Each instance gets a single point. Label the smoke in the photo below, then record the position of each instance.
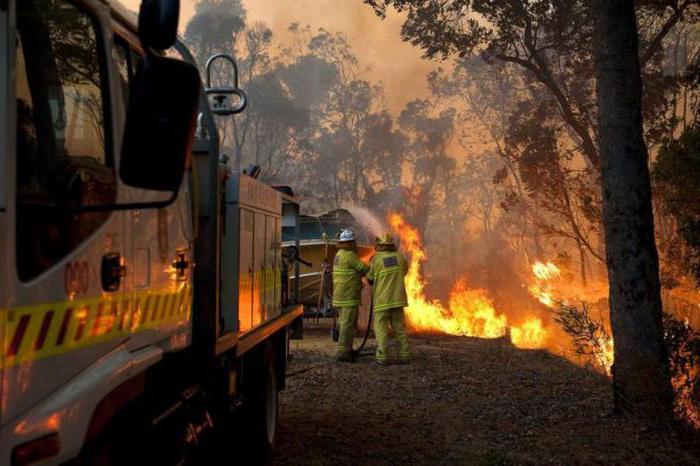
(367, 219)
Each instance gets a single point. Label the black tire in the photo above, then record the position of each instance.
(262, 409)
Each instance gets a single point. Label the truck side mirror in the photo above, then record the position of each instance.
(163, 101)
(160, 124)
(158, 21)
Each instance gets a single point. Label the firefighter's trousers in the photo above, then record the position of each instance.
(348, 326)
(382, 319)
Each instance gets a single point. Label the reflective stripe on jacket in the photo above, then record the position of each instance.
(348, 270)
(387, 271)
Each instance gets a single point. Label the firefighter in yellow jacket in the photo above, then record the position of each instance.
(386, 274)
(348, 271)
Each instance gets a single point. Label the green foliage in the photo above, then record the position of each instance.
(214, 27)
(464, 27)
(537, 101)
(676, 176)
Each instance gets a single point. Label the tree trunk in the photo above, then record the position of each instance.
(582, 256)
(640, 374)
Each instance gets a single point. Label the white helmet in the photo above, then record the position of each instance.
(346, 235)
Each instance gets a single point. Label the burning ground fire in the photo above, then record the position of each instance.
(469, 312)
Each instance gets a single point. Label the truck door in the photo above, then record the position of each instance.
(245, 270)
(4, 109)
(5, 223)
(160, 242)
(259, 269)
(272, 276)
(161, 249)
(66, 305)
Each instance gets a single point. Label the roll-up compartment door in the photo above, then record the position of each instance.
(245, 271)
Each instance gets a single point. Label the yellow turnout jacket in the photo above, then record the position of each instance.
(348, 270)
(387, 270)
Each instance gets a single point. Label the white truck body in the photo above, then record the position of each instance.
(66, 342)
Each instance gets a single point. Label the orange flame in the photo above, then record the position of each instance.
(470, 312)
(546, 274)
(531, 334)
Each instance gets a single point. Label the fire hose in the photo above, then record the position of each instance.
(356, 353)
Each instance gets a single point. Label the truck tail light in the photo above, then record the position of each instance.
(36, 450)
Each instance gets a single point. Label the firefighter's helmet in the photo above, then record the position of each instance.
(385, 240)
(346, 235)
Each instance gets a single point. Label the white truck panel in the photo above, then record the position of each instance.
(68, 411)
(28, 306)
(65, 341)
(6, 96)
(257, 208)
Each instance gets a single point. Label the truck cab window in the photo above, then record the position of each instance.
(63, 156)
(122, 57)
(127, 59)
(4, 107)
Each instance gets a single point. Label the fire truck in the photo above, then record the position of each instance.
(142, 304)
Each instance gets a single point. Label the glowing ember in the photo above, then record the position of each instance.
(469, 312)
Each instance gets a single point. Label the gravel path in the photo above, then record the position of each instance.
(461, 401)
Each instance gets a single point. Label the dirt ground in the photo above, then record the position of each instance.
(461, 401)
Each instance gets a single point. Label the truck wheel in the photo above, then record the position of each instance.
(271, 405)
(260, 421)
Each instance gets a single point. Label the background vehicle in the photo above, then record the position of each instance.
(140, 303)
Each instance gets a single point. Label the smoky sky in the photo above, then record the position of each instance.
(377, 44)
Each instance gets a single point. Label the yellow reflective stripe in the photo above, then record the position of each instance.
(44, 330)
(345, 301)
(399, 304)
(391, 270)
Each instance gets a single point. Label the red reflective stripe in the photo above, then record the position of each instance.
(82, 323)
(154, 312)
(43, 331)
(164, 308)
(18, 336)
(98, 320)
(64, 326)
(145, 309)
(167, 305)
(125, 311)
(114, 314)
(176, 304)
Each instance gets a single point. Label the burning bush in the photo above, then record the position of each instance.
(589, 337)
(683, 345)
(591, 340)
